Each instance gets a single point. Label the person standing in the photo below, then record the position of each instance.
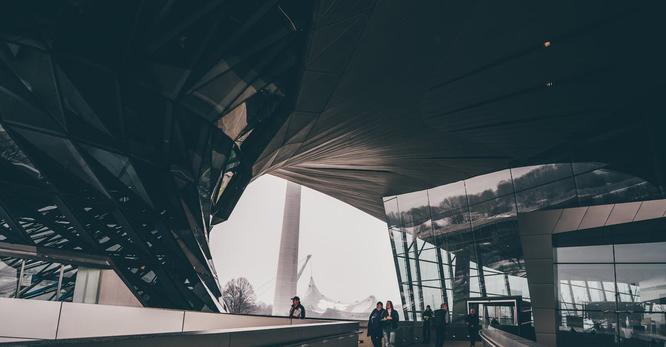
(472, 321)
(375, 325)
(297, 310)
(390, 321)
(441, 322)
(427, 315)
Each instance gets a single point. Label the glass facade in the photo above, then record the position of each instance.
(460, 241)
(36, 279)
(612, 292)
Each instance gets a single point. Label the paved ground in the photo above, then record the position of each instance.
(454, 344)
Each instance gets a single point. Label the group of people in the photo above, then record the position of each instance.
(383, 324)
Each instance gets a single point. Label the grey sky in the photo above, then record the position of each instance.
(351, 255)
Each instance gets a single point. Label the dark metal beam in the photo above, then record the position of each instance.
(54, 255)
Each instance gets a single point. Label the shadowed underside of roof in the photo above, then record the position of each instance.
(402, 96)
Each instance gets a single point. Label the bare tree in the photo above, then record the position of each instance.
(238, 295)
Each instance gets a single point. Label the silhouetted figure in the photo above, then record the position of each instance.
(472, 321)
(390, 321)
(375, 325)
(427, 316)
(494, 323)
(441, 322)
(297, 310)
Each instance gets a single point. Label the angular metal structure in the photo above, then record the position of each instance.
(127, 129)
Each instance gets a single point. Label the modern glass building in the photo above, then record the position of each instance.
(460, 243)
(477, 129)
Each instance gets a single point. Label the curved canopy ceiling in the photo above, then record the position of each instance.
(401, 96)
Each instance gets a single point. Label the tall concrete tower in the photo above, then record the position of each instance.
(287, 272)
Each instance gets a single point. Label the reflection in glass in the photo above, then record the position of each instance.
(644, 284)
(414, 208)
(532, 176)
(487, 187)
(474, 222)
(576, 293)
(604, 186)
(447, 198)
(577, 328)
(642, 329)
(8, 278)
(432, 296)
(641, 252)
(558, 194)
(392, 212)
(584, 254)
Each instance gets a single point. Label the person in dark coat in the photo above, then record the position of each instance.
(297, 311)
(441, 322)
(390, 321)
(472, 321)
(375, 325)
(427, 316)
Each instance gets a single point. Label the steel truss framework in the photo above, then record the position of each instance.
(127, 130)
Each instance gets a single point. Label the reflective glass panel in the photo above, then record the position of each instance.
(642, 329)
(429, 271)
(432, 296)
(532, 176)
(447, 199)
(8, 277)
(580, 328)
(414, 208)
(644, 284)
(487, 187)
(556, 194)
(605, 186)
(574, 290)
(640, 252)
(584, 254)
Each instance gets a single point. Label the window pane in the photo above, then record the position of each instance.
(9, 268)
(392, 212)
(575, 279)
(642, 329)
(532, 176)
(580, 328)
(604, 186)
(557, 194)
(584, 254)
(488, 187)
(414, 208)
(403, 268)
(458, 222)
(647, 283)
(396, 236)
(428, 253)
(432, 296)
(429, 271)
(446, 199)
(640, 252)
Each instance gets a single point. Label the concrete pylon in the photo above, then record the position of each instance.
(287, 270)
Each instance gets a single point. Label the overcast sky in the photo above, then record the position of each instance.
(351, 254)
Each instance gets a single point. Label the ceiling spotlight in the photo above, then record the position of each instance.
(546, 44)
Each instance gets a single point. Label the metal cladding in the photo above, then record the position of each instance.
(128, 128)
(400, 96)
